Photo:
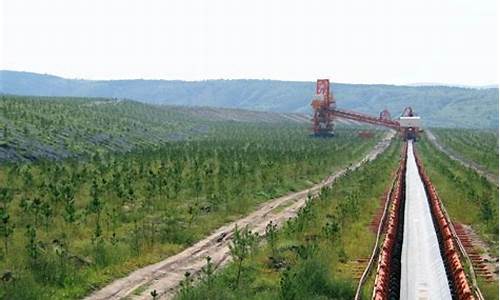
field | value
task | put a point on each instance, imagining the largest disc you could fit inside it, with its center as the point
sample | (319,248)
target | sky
(352,41)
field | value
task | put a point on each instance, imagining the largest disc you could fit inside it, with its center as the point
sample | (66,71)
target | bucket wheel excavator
(326,111)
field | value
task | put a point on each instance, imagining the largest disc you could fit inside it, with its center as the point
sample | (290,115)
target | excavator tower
(323,105)
(325,111)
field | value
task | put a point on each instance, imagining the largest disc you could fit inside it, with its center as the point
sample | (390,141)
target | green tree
(96,206)
(32,246)
(241,247)
(207,275)
(6,197)
(272,236)
(6,228)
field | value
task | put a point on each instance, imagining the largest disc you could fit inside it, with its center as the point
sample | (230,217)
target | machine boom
(325,111)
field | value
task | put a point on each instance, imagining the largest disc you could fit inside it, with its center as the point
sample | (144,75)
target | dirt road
(467,163)
(165,276)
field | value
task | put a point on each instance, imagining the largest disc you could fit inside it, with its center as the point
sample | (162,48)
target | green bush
(311,279)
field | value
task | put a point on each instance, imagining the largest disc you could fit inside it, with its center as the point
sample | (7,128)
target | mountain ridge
(440,106)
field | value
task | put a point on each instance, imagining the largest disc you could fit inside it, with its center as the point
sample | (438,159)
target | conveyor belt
(419,256)
(423,274)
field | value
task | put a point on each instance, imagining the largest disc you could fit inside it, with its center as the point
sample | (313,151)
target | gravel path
(165,276)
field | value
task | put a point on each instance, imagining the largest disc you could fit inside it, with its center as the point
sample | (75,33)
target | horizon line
(410,84)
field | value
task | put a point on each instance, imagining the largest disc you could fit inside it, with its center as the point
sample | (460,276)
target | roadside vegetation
(311,256)
(479,146)
(469,198)
(70,226)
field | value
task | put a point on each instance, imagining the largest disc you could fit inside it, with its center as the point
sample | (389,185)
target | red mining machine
(323,105)
(325,111)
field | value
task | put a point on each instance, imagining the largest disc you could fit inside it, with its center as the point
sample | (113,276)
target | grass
(311,257)
(100,218)
(479,146)
(468,198)
(55,128)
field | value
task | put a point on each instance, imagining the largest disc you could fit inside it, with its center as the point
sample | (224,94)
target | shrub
(310,279)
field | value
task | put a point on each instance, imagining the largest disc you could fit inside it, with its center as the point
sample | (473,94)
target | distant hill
(486,86)
(440,106)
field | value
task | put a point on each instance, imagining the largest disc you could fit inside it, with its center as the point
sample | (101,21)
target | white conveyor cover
(423,275)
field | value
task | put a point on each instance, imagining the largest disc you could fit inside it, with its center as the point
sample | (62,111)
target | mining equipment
(325,111)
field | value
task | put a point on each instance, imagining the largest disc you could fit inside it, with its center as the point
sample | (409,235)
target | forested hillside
(69,227)
(54,128)
(439,106)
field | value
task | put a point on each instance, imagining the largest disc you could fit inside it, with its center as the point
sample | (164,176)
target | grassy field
(69,226)
(33,128)
(309,258)
(468,198)
(479,146)
(91,189)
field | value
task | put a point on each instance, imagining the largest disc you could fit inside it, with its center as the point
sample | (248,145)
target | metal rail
(386,271)
(380,231)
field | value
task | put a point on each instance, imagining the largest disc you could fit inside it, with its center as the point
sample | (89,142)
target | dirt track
(467,163)
(165,276)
